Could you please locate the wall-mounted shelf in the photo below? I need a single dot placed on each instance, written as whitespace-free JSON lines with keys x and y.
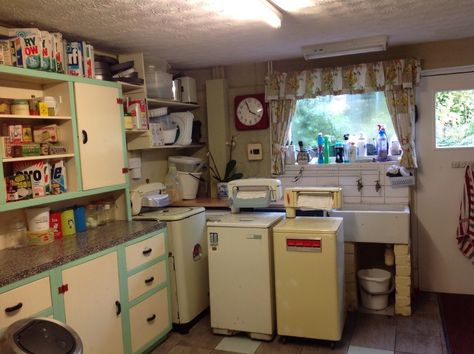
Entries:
{"x":126,"y":87}
{"x":33,"y":118}
{"x":132,"y":146}
{"x":41,"y":157}
{"x":172,"y":105}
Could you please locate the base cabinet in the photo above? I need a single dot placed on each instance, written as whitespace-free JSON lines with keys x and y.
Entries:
{"x":92,"y":304}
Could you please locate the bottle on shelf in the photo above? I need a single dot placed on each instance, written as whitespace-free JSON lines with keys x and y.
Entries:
{"x":320,"y":141}
{"x":303,"y":157}
{"x":352,"y":152}
{"x":346,"y":147}
{"x":382,"y":146}
{"x":326,"y":149}
{"x":361,"y":146}
{"x":395,"y":146}
{"x":339,"y":151}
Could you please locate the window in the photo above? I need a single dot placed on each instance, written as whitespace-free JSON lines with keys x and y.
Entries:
{"x":454,"y":111}
{"x":353,"y":114}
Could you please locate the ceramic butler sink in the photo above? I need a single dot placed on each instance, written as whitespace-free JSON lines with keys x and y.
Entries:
{"x":378,"y":223}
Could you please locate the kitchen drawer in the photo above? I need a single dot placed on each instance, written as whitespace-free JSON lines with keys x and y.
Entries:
{"x":146,"y":280}
{"x":144,"y":251}
{"x":149,"y":318}
{"x":29,"y":299}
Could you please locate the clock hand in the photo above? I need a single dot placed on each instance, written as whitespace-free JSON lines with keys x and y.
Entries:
{"x":248,"y":108}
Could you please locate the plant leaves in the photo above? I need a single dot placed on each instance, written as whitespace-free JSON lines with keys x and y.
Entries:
{"x":229,"y":168}
{"x":234,"y":176}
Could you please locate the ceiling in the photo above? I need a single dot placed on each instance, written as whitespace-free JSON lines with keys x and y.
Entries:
{"x":187,"y":35}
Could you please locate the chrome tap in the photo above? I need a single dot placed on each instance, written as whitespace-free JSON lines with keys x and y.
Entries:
{"x":378,"y":186}
{"x":359,"y":184}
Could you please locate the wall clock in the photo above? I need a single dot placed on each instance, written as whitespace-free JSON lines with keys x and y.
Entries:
{"x":251,"y":112}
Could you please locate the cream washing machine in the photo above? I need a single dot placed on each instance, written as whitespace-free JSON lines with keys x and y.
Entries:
{"x":188,"y":259}
{"x":241,"y":274}
{"x":309,"y":277}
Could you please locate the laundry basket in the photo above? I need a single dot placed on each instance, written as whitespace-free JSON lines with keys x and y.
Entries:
{"x":374,"y":285}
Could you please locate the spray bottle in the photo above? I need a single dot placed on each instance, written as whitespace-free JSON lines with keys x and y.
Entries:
{"x":320,"y":148}
{"x":382,"y":146}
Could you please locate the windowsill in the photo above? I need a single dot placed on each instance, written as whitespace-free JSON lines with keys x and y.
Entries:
{"x":313,"y":165}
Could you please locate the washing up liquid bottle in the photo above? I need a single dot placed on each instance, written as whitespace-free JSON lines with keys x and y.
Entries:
{"x":382,"y":146}
{"x":320,"y":148}
{"x":361,"y":146}
{"x":326,"y":150}
{"x":346,"y":148}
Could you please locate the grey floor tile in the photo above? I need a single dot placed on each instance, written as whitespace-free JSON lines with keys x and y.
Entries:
{"x":182,"y":349}
{"x":374,"y":331}
{"x":424,"y":324}
{"x":418,"y":344}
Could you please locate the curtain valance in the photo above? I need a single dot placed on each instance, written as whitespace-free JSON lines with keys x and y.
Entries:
{"x":352,"y":79}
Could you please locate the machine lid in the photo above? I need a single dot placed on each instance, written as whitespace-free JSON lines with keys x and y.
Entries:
{"x":258,"y":220}
{"x":317,"y":225}
{"x":45,"y":337}
{"x":169,"y":214}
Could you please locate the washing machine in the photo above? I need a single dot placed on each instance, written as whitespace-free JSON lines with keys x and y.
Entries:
{"x":309,"y":277}
{"x":188,"y":258}
{"x":241,"y":274}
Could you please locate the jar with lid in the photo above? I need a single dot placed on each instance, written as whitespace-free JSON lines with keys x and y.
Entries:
{"x":92,"y":216}
{"x":20,"y":108}
{"x":101,"y":214}
{"x":109,"y":212}
{"x":17,"y":234}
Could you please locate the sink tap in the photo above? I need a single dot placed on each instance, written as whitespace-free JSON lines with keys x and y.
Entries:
{"x":377,"y":185}
{"x":359,"y":184}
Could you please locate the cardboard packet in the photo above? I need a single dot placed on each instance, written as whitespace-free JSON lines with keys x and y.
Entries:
{"x":30,"y":44}
{"x":39,"y":173}
{"x":45,"y":134}
{"x":75,"y":59}
{"x":57,"y":52}
{"x":89,"y":67}
{"x":18,"y":187}
{"x":58,"y":177}
{"x":46,"y":51}
{"x":5,"y":53}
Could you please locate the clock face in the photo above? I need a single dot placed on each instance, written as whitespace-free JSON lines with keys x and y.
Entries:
{"x":249,"y":111}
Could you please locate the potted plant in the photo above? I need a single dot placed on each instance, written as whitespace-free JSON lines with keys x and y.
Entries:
{"x":228,"y":176}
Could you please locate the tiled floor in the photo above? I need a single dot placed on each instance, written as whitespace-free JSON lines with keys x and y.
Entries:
{"x":363,"y":334}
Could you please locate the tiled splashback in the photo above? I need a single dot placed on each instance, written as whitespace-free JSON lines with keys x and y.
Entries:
{"x":347,"y":176}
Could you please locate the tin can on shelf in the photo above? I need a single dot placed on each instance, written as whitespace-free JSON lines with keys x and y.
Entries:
{"x":20,"y":108}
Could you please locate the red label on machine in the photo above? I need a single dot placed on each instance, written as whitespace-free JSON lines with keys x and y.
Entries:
{"x":306,"y":245}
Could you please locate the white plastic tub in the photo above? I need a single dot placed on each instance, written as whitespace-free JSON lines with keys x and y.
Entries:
{"x":190,"y":183}
{"x":374,"y":288}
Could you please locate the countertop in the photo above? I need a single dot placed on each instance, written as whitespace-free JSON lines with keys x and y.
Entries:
{"x":215,"y":203}
{"x":21,"y":263}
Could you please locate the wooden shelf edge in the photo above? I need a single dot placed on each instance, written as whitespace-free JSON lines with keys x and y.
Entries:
{"x":42,"y":157}
{"x":166,"y":147}
{"x":13,"y":116}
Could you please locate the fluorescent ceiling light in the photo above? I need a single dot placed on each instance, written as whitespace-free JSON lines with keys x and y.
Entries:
{"x":259,"y":10}
{"x":353,"y":46}
{"x":293,"y":5}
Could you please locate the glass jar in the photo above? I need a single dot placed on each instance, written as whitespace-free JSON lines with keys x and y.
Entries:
{"x":17,"y":234}
{"x":108,"y":212}
{"x":92,"y":217}
{"x":20,"y":108}
{"x":101,"y":214}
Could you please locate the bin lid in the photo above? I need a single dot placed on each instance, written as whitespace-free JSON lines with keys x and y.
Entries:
{"x":45,"y":337}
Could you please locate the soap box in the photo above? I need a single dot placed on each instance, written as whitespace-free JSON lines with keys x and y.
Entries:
{"x":28,"y":47}
{"x":89,"y":67}
{"x":39,"y":172}
{"x":45,"y":134}
{"x":57,"y":52}
{"x":46,"y":50}
{"x":58,"y":177}
{"x":75,"y":59}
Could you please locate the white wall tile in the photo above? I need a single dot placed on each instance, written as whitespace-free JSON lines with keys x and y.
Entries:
{"x":373,"y":200}
{"x":397,"y":192}
{"x":393,"y":200}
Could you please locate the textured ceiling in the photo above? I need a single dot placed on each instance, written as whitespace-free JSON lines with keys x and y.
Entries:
{"x":187,"y":35}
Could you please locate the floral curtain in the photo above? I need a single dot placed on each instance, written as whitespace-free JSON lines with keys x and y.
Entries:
{"x":399,"y":76}
{"x":281,"y":112}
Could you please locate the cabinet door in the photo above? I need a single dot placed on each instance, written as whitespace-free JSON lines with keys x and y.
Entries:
{"x":100,"y":135}
{"x":90,"y":304}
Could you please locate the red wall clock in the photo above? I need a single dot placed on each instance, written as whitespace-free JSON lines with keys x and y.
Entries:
{"x":251,"y":112}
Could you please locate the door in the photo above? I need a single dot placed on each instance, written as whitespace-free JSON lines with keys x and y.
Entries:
{"x":91,"y":304}
{"x":442,"y":267}
{"x":100,"y":135}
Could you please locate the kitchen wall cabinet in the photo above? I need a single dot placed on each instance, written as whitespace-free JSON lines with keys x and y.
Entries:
{"x":92,"y":168}
{"x":101,"y":135}
{"x":92,"y":304}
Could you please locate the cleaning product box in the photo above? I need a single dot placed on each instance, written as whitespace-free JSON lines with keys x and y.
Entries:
{"x":46,"y":50}
{"x":89,"y":67}
{"x":75,"y":59}
{"x":57,"y":53}
{"x":45,"y":134}
{"x":18,"y":187}
{"x":5,"y":53}
{"x":39,"y":172}
{"x":28,"y":46}
{"x":58,"y":177}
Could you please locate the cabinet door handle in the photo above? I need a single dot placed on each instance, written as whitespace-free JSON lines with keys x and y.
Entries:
{"x":14,"y":308}
{"x":119,"y":307}
{"x":85,"y":138}
{"x":151,"y":318}
{"x":147,"y":252}
{"x":149,"y":280}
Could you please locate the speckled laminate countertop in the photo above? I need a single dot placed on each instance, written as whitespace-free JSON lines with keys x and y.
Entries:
{"x":21,"y":263}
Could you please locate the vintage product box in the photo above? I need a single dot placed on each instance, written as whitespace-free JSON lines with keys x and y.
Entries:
{"x":15,"y":132}
{"x":39,"y":173}
{"x":45,"y":134}
{"x":30,"y":45}
{"x":46,"y":50}
{"x":58,"y":52}
{"x":5,"y":53}
{"x":89,"y":67}
{"x":24,"y":150}
{"x":58,"y":177}
{"x":75,"y":59}
{"x":137,"y":108}
{"x":18,"y":187}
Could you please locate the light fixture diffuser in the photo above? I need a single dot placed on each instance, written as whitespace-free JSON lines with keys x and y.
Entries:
{"x":349,"y":47}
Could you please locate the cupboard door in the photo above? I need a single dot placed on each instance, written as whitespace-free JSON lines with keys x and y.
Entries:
{"x":91,"y":304}
{"x":100,"y":135}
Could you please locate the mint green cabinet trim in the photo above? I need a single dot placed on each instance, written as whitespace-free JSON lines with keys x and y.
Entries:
{"x":123,"y":286}
{"x":75,"y":134}
{"x":146,"y":265}
{"x":125,"y":158}
{"x":3,"y":194}
{"x":56,"y":280}
{"x":44,"y":313}
{"x":153,"y":342}
{"x":147,"y":294}
{"x":24,"y":282}
{"x":60,"y":197}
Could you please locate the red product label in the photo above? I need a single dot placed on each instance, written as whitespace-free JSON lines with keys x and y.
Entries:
{"x":55,"y":224}
{"x":303,"y":243}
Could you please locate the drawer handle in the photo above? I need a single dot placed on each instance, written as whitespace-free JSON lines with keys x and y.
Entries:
{"x":147,"y":252}
{"x":149,"y":280}
{"x":85,"y":138}
{"x":151,"y":318}
{"x":14,"y":308}
{"x":119,"y":307}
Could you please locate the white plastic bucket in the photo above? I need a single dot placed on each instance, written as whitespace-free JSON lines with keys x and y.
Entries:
{"x":189,"y":183}
{"x":374,"y":288}
{"x":37,"y":219}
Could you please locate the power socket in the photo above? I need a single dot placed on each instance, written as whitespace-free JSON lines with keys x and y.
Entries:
{"x":254,"y":152}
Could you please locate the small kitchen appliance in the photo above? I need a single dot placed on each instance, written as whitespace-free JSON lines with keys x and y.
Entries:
{"x":310,"y":304}
{"x":188,"y":258}
{"x":241,"y":262}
